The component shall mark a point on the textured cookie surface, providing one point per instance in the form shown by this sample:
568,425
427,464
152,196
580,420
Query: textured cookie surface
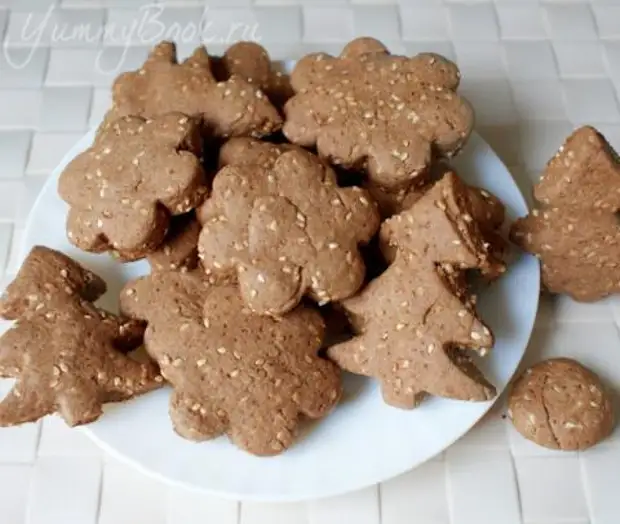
486,210
489,213
248,151
250,61
278,219
575,232
179,250
229,108
233,372
560,404
123,189
415,321
66,354
387,113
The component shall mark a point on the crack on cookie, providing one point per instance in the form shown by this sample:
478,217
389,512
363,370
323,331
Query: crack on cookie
543,402
428,311
574,228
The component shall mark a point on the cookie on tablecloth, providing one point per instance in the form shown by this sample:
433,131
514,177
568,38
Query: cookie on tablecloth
575,231
560,404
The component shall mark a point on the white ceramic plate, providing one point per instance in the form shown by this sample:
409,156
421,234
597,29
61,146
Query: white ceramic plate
364,441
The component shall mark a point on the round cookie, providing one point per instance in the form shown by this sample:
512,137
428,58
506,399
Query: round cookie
560,404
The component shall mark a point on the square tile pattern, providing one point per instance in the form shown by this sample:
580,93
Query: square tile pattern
533,69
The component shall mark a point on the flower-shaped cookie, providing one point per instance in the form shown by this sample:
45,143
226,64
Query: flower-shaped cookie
251,62
281,223
233,372
123,189
230,108
367,108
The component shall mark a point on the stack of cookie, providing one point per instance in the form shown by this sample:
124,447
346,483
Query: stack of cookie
247,258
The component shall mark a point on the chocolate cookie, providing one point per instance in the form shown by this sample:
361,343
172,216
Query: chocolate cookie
233,372
124,188
66,354
233,107
251,62
385,113
560,404
278,220
575,232
485,210
179,251
416,320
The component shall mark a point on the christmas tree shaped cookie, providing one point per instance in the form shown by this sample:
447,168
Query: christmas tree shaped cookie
416,320
575,232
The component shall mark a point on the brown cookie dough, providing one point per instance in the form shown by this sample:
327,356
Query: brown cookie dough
66,354
251,62
385,113
278,220
233,107
124,188
233,372
415,322
560,404
575,233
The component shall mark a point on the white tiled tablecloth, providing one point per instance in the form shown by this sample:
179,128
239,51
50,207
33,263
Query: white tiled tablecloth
533,70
